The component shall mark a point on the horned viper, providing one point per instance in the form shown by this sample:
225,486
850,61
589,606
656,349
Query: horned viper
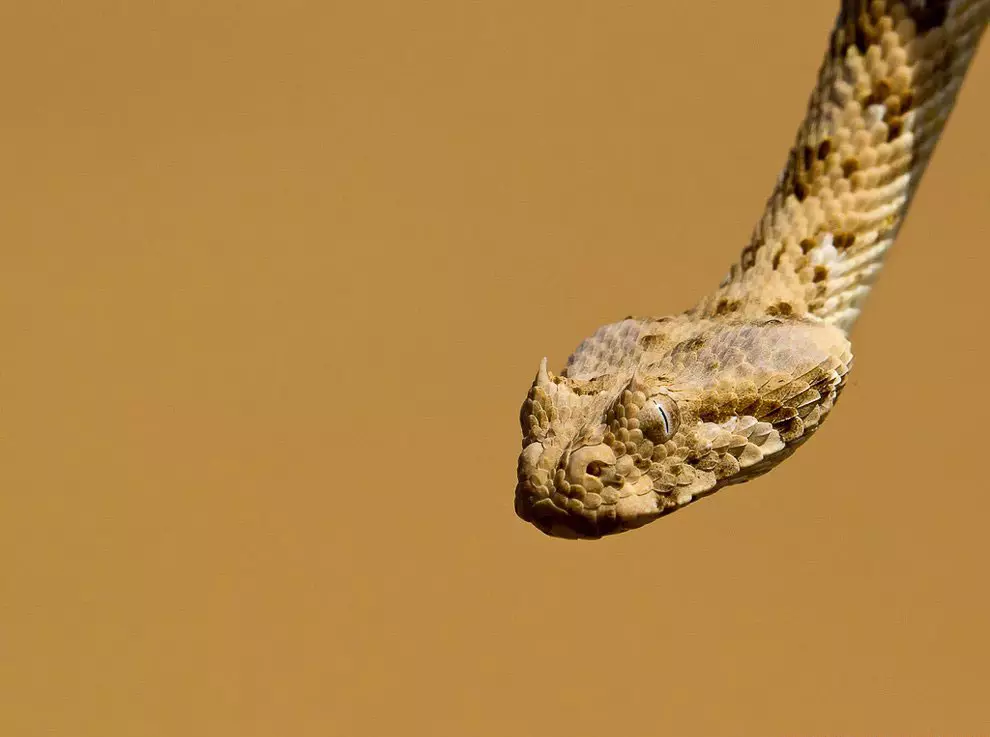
651,414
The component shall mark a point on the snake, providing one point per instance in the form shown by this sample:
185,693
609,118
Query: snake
652,414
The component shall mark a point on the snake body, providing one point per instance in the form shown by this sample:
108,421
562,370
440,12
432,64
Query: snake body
651,414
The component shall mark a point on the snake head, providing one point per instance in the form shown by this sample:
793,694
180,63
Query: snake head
681,410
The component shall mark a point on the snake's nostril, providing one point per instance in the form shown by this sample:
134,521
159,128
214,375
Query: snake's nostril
588,460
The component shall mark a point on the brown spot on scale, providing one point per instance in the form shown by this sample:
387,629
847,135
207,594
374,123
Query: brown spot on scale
821,274
780,415
881,91
895,126
711,410
776,258
791,429
807,244
726,306
837,41
748,258
927,14
691,344
781,309
800,191
824,149
849,167
653,342
844,240
893,106
907,101
865,33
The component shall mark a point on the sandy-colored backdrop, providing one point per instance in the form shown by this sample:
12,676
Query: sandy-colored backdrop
275,278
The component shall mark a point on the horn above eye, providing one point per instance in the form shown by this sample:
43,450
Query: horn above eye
543,376
659,418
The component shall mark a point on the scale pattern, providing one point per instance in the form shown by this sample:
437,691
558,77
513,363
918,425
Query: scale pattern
885,90
652,414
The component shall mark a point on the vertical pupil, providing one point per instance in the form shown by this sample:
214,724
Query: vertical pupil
663,416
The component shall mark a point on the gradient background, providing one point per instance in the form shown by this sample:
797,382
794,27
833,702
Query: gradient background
275,280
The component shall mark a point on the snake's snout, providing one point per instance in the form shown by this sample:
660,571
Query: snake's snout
543,493
549,518
586,496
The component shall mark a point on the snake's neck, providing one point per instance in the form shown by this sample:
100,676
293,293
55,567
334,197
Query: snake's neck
885,89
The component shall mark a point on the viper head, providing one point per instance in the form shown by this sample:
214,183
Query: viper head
676,409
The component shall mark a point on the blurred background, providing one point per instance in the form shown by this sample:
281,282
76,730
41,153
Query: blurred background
275,280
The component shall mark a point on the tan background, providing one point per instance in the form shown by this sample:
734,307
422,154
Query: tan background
275,280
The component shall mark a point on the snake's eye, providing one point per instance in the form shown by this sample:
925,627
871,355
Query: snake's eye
659,418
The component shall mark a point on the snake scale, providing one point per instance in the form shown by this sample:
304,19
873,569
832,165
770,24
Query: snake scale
651,414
